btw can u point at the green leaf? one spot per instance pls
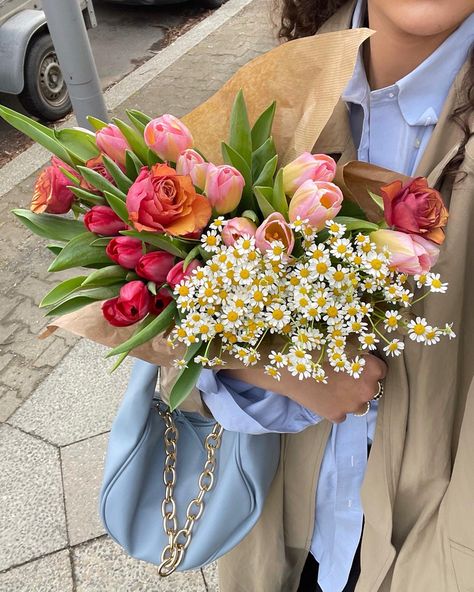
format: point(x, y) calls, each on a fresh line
point(351, 209)
point(79, 253)
point(49, 225)
point(37, 132)
point(82, 298)
point(188, 376)
point(279, 200)
point(240, 135)
point(377, 199)
point(136, 122)
point(134, 140)
point(262, 128)
point(153, 158)
point(143, 118)
point(356, 224)
point(112, 274)
point(251, 215)
point(55, 249)
point(70, 176)
point(79, 143)
point(265, 179)
point(158, 240)
point(263, 195)
point(100, 182)
point(151, 330)
point(118, 206)
point(261, 156)
point(90, 199)
point(102, 241)
point(193, 253)
point(133, 166)
point(62, 290)
point(235, 159)
point(97, 124)
point(123, 182)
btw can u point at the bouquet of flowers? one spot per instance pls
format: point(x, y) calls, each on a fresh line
point(246, 261)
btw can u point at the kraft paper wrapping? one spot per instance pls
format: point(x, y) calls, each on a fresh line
point(306, 78)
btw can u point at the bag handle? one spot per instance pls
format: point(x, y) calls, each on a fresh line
point(179, 540)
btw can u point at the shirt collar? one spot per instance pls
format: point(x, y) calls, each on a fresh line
point(421, 93)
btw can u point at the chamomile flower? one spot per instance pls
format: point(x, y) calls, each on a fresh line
point(435, 284)
point(218, 224)
point(368, 341)
point(417, 329)
point(420, 279)
point(300, 364)
point(180, 364)
point(335, 229)
point(320, 375)
point(277, 316)
point(391, 320)
point(299, 224)
point(273, 372)
point(432, 335)
point(202, 360)
point(277, 358)
point(355, 367)
point(394, 348)
point(341, 248)
point(211, 241)
point(448, 330)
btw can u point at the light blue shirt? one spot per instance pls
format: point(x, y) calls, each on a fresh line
point(391, 128)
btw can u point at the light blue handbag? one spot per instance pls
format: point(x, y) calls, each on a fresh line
point(139, 499)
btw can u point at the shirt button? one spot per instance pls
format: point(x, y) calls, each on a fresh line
point(391, 95)
point(417, 143)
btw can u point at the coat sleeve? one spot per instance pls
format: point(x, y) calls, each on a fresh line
point(241, 407)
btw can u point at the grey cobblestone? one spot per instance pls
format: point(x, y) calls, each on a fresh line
point(68, 410)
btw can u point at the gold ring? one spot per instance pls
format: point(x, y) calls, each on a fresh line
point(379, 394)
point(365, 412)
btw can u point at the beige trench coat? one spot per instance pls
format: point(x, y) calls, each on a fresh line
point(418, 491)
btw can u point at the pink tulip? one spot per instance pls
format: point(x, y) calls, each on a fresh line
point(409, 253)
point(168, 137)
point(176, 273)
point(193, 164)
point(317, 202)
point(274, 228)
point(237, 227)
point(125, 251)
point(112, 142)
point(155, 266)
point(224, 187)
point(316, 167)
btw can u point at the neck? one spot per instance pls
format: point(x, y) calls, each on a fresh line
point(390, 54)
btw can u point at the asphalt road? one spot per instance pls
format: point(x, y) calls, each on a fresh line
point(126, 36)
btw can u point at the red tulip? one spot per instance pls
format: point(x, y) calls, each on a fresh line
point(103, 220)
point(125, 250)
point(160, 301)
point(155, 266)
point(132, 305)
point(176, 273)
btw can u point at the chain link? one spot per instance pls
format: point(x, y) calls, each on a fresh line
point(179, 540)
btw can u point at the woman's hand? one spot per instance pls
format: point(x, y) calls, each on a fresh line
point(334, 400)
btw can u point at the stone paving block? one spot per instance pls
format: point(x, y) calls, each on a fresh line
point(102, 566)
point(82, 465)
point(54, 352)
point(210, 576)
point(32, 520)
point(79, 398)
point(9, 402)
point(22, 378)
point(48, 574)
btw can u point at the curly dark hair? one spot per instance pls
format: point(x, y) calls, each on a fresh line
point(302, 18)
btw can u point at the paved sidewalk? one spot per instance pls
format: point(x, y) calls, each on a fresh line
point(57, 400)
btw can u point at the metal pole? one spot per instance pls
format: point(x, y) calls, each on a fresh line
point(71, 42)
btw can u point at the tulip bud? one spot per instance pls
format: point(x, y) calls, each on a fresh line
point(51, 193)
point(168, 137)
point(155, 266)
point(112, 142)
point(409, 253)
point(317, 202)
point(103, 220)
point(237, 227)
point(193, 164)
point(316, 167)
point(224, 186)
point(132, 305)
point(274, 228)
point(176, 273)
point(160, 301)
point(125, 250)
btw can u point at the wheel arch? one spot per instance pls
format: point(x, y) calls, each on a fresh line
point(16, 36)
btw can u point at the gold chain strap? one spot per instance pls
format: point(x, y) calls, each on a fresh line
point(178, 540)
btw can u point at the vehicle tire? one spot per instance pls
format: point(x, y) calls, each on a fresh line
point(45, 92)
point(212, 3)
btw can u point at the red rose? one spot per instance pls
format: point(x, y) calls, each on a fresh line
point(51, 194)
point(415, 208)
point(103, 220)
point(162, 201)
point(132, 305)
point(155, 266)
point(125, 250)
point(176, 273)
point(160, 301)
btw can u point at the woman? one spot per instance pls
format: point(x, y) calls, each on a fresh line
point(408, 108)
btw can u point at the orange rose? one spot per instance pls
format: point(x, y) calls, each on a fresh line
point(51, 192)
point(160, 200)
